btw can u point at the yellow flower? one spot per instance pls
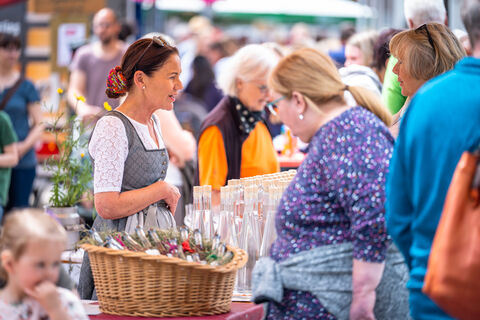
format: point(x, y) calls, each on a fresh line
point(107, 106)
point(60, 90)
point(80, 98)
point(82, 155)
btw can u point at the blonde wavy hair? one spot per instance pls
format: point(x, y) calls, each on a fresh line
point(314, 75)
point(424, 60)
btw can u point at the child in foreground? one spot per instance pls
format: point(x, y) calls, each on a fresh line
point(31, 243)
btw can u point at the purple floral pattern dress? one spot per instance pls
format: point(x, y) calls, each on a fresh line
point(338, 195)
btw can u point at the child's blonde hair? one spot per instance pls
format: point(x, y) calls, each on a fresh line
point(22, 226)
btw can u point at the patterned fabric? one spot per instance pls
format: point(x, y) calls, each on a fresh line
point(258, 156)
point(227, 119)
point(30, 309)
point(248, 119)
point(337, 196)
point(326, 273)
point(301, 305)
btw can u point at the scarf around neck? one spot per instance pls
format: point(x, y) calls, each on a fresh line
point(248, 119)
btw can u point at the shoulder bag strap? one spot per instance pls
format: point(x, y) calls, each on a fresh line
point(10, 93)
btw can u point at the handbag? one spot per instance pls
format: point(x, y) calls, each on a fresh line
point(452, 280)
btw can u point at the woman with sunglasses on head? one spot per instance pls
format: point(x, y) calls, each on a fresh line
point(234, 141)
point(423, 53)
point(332, 246)
point(126, 147)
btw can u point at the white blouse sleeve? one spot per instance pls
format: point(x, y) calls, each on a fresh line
point(109, 148)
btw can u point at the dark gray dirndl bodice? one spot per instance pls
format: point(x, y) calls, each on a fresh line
point(142, 168)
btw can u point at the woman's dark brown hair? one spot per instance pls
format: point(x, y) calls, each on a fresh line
point(147, 55)
point(381, 49)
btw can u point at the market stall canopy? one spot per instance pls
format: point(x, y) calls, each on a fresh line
point(318, 8)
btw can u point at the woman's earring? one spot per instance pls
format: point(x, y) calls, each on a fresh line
point(300, 116)
point(143, 87)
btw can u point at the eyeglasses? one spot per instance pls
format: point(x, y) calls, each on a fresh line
point(155, 39)
point(430, 39)
point(103, 25)
point(11, 48)
point(263, 88)
point(271, 105)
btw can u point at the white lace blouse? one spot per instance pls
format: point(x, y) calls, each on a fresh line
point(109, 148)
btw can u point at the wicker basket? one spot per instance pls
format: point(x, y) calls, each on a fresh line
point(138, 284)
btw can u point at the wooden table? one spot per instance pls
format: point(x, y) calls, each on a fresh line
point(239, 311)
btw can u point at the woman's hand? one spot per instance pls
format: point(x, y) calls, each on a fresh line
point(47, 295)
point(362, 306)
point(365, 278)
point(171, 195)
point(116, 205)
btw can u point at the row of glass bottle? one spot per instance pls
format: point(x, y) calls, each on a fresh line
point(246, 218)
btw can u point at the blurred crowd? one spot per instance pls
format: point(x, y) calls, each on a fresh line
point(383, 117)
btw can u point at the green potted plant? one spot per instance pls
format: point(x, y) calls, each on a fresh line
point(71, 171)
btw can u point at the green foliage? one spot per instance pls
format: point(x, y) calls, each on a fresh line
point(71, 170)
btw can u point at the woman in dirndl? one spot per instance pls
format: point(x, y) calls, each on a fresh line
point(127, 150)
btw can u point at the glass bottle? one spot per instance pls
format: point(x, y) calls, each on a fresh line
point(198, 209)
point(223, 227)
point(209, 231)
point(269, 234)
point(249, 238)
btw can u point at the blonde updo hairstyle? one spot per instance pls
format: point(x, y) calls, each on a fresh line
point(28, 225)
point(419, 58)
point(314, 75)
point(251, 62)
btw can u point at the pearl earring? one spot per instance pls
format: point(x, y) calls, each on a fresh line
point(300, 116)
point(143, 87)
